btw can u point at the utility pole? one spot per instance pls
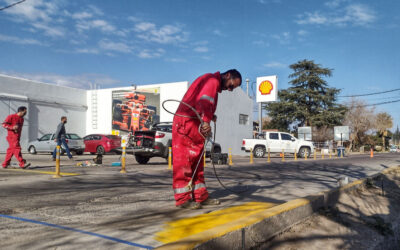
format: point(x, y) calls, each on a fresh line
point(247, 84)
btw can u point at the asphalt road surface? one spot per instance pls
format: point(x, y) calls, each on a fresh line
point(103, 209)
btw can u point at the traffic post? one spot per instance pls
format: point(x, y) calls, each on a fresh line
point(169, 158)
point(251, 156)
point(269, 156)
point(57, 173)
point(230, 157)
point(123, 169)
point(283, 155)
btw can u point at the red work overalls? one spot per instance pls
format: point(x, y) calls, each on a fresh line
point(187, 143)
point(13, 138)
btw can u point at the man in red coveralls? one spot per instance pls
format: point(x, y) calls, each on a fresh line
point(188, 143)
point(13, 124)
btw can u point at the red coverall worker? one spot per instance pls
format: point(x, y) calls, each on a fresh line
point(188, 143)
point(13, 138)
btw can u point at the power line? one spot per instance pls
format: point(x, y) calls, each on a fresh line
point(376, 93)
point(11, 5)
point(381, 103)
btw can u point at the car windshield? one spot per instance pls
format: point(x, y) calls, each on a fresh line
point(73, 136)
point(163, 127)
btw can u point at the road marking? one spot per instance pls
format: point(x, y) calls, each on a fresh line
point(76, 230)
point(183, 228)
point(42, 172)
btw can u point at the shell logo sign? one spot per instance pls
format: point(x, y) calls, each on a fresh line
point(267, 88)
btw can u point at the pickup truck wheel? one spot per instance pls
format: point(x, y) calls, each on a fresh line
point(304, 151)
point(259, 152)
point(142, 159)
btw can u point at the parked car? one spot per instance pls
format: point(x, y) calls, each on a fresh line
point(162, 142)
point(101, 144)
point(394, 149)
point(276, 142)
point(46, 144)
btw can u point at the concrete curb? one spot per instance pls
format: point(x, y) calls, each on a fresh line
point(250, 231)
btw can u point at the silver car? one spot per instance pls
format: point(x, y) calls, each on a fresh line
point(46, 144)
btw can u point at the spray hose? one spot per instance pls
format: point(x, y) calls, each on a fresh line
point(206, 139)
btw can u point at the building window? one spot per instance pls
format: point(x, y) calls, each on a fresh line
point(243, 119)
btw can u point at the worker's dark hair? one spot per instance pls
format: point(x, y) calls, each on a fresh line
point(22, 108)
point(63, 117)
point(234, 74)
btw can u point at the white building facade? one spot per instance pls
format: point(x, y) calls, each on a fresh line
point(90, 111)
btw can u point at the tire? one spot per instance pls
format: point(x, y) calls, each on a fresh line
point(142, 159)
point(79, 152)
point(32, 150)
point(259, 152)
point(100, 150)
point(217, 150)
point(304, 151)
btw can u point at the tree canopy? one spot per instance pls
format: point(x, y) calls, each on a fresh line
point(308, 102)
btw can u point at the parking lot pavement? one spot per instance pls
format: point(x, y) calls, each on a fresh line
point(100, 208)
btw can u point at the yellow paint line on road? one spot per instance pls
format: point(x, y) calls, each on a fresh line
point(183, 228)
point(42, 172)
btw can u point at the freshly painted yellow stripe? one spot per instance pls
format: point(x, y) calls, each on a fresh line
point(42, 172)
point(183, 228)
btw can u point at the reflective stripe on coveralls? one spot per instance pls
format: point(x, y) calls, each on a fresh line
point(208, 98)
point(186, 189)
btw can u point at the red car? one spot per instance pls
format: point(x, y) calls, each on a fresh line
point(101, 144)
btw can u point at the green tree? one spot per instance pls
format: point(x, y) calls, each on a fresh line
point(396, 136)
point(383, 122)
point(308, 102)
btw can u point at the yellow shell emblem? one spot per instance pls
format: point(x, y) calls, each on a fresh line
point(266, 87)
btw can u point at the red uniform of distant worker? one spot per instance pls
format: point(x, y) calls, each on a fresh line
point(13, 123)
point(188, 143)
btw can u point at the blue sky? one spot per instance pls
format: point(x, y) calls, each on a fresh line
point(117, 43)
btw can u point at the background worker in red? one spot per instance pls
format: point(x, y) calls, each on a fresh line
point(188, 144)
point(13, 124)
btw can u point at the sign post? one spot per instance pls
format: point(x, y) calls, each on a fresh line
point(267, 91)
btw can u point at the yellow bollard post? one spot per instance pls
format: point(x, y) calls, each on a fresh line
point(322, 154)
point(295, 156)
point(330, 154)
point(204, 156)
point(341, 153)
point(283, 155)
point(230, 157)
point(57, 173)
point(315, 154)
point(335, 153)
point(251, 156)
point(169, 158)
point(305, 155)
point(123, 169)
point(269, 155)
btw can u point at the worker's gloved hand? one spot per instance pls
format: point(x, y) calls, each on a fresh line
point(205, 129)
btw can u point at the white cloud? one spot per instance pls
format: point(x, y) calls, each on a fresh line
point(49, 30)
point(82, 15)
point(335, 3)
point(355, 14)
point(275, 65)
point(164, 34)
point(302, 32)
point(106, 44)
point(83, 81)
point(146, 53)
point(175, 60)
point(218, 32)
point(269, 1)
point(87, 51)
point(261, 43)
point(283, 38)
point(201, 49)
point(33, 10)
point(99, 24)
point(17, 40)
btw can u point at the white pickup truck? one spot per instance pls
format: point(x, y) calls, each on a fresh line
point(277, 142)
